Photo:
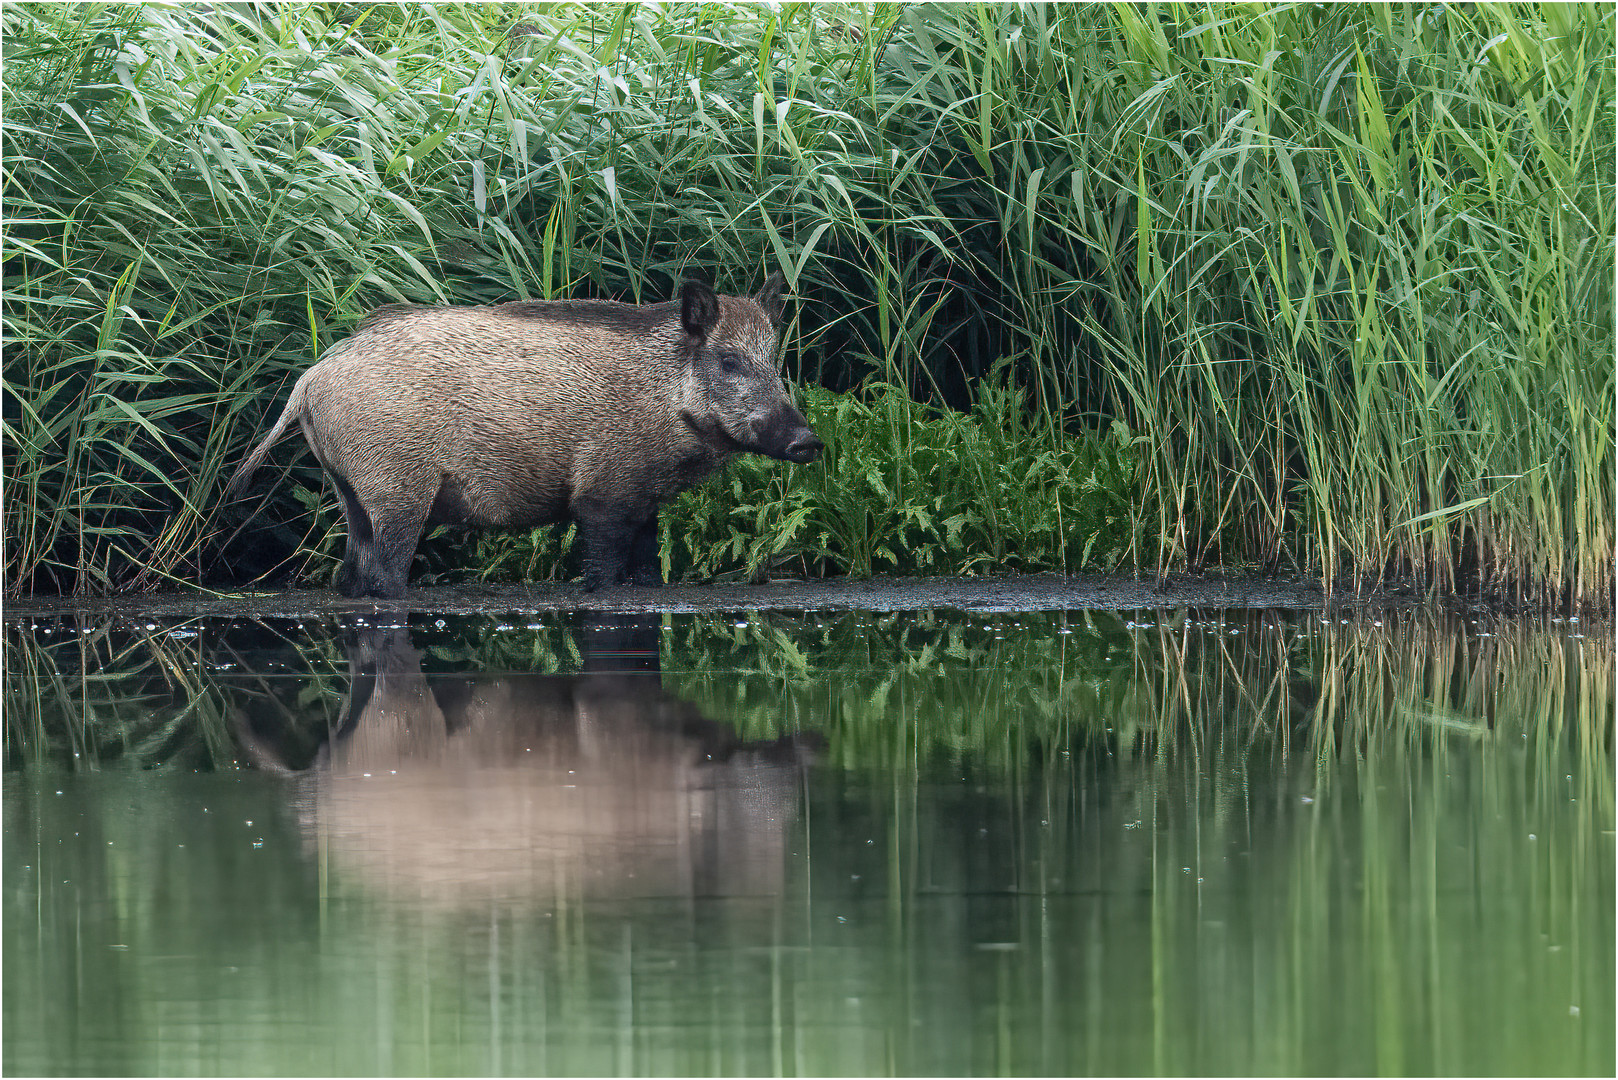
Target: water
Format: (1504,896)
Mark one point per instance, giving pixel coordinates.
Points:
(1188,842)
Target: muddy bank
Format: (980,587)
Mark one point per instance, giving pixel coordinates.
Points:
(1029,592)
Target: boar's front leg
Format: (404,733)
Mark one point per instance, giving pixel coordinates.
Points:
(646,560)
(609,543)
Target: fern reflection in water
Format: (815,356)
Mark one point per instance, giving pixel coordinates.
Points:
(1210,842)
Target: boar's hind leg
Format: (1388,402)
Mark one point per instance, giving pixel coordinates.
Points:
(360,536)
(382,535)
(645,558)
(398,530)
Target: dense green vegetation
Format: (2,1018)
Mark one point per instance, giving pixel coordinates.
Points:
(901,487)
(1324,286)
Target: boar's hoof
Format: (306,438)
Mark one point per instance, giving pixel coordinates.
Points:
(373,590)
(357,584)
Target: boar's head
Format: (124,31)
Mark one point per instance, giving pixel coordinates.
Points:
(733,391)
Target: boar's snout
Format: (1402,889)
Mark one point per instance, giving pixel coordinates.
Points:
(786,435)
(805,448)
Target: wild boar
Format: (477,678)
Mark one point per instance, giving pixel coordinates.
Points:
(539,789)
(539,412)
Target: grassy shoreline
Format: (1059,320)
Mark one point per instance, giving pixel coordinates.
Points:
(1316,288)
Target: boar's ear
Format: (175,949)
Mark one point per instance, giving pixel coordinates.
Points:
(769,298)
(699,308)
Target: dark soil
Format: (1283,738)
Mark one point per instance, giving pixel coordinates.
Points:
(1028,592)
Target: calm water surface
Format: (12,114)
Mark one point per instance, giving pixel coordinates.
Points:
(934,843)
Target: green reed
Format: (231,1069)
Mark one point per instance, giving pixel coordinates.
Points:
(1346,272)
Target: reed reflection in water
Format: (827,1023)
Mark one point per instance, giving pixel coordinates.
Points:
(1204,842)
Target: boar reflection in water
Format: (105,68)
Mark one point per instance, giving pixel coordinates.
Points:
(541,787)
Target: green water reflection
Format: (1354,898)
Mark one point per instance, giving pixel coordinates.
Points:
(1188,842)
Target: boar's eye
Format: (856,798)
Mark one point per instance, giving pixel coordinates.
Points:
(730,363)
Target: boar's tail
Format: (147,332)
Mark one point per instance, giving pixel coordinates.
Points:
(244,472)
